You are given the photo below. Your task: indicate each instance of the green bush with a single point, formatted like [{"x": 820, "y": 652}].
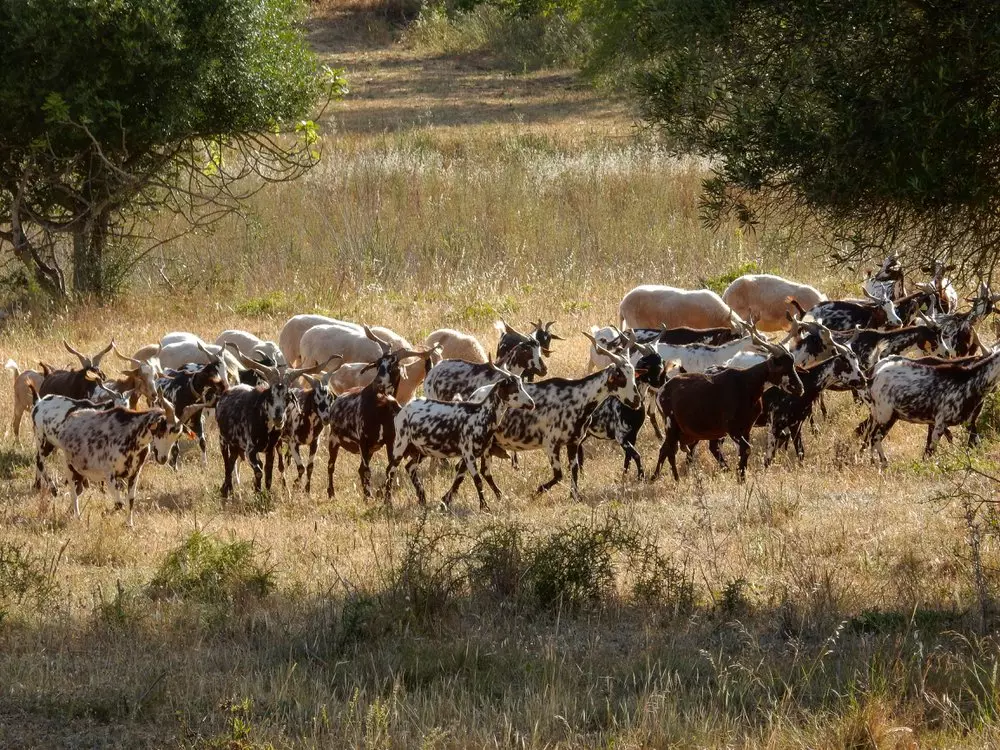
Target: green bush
[{"x": 210, "y": 571}]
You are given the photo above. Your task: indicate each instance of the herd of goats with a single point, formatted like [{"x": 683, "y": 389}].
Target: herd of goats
[{"x": 697, "y": 360}]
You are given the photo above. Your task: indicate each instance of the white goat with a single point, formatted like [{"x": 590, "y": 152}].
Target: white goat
[
  {"x": 456, "y": 345},
  {"x": 764, "y": 298},
  {"x": 651, "y": 306}
]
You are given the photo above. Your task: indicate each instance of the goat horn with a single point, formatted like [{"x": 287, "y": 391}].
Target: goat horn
[
  {"x": 268, "y": 372},
  {"x": 100, "y": 355},
  {"x": 616, "y": 358},
  {"x": 83, "y": 360},
  {"x": 381, "y": 342},
  {"x": 133, "y": 360},
  {"x": 293, "y": 372},
  {"x": 212, "y": 356}
]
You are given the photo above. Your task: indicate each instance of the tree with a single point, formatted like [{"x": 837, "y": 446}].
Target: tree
[
  {"x": 877, "y": 119},
  {"x": 112, "y": 111}
]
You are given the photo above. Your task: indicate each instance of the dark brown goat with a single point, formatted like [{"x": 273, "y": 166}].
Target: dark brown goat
[
  {"x": 82, "y": 383},
  {"x": 697, "y": 406}
]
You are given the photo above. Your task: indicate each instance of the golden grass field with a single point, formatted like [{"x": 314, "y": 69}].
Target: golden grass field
[{"x": 826, "y": 605}]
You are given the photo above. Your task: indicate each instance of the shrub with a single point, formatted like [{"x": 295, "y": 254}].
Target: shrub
[{"x": 207, "y": 570}]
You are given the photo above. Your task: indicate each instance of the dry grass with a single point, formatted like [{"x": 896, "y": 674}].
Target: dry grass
[{"x": 830, "y": 601}]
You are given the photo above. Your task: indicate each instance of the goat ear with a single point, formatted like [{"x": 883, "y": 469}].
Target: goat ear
[{"x": 92, "y": 376}]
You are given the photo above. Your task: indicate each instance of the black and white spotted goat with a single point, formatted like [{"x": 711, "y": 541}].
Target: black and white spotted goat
[
  {"x": 455, "y": 429},
  {"x": 251, "y": 420},
  {"x": 455, "y": 378},
  {"x": 939, "y": 395},
  {"x": 562, "y": 410},
  {"x": 194, "y": 384},
  {"x": 362, "y": 421},
  {"x": 784, "y": 413},
  {"x": 846, "y": 314},
  {"x": 613, "y": 420},
  {"x": 540, "y": 339},
  {"x": 304, "y": 423}
]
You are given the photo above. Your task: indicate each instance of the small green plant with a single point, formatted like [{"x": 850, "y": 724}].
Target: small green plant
[
  {"x": 719, "y": 283},
  {"x": 271, "y": 303},
  {"x": 210, "y": 571},
  {"x": 496, "y": 562}
]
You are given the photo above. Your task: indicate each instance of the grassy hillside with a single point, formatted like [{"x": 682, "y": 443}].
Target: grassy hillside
[{"x": 826, "y": 605}]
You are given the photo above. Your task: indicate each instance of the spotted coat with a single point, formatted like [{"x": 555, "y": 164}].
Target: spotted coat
[
  {"x": 453, "y": 378},
  {"x": 612, "y": 420},
  {"x": 846, "y": 315},
  {"x": 465, "y": 430},
  {"x": 250, "y": 422},
  {"x": 562, "y": 409},
  {"x": 112, "y": 446},
  {"x": 48, "y": 414},
  {"x": 936, "y": 395},
  {"x": 193, "y": 384},
  {"x": 303, "y": 426},
  {"x": 785, "y": 413}
]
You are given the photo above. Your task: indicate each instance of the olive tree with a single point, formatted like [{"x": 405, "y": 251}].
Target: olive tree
[
  {"x": 112, "y": 112},
  {"x": 877, "y": 120}
]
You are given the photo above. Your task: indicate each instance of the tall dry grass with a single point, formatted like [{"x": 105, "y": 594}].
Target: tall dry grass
[{"x": 825, "y": 605}]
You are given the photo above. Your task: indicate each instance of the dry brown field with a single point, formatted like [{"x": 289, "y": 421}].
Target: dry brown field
[{"x": 821, "y": 605}]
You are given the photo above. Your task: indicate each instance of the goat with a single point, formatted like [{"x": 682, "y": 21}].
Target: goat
[
  {"x": 652, "y": 306},
  {"x": 352, "y": 343},
  {"x": 253, "y": 347},
  {"x": 195, "y": 383},
  {"x": 47, "y": 417},
  {"x": 112, "y": 446},
  {"x": 23, "y": 382},
  {"x": 82, "y": 383},
  {"x": 251, "y": 420},
  {"x": 766, "y": 299},
  {"x": 453, "y": 378},
  {"x": 942, "y": 288},
  {"x": 174, "y": 355},
  {"x": 845, "y": 315},
  {"x": 540, "y": 339},
  {"x": 439, "y": 429},
  {"x": 139, "y": 381},
  {"x": 362, "y": 421},
  {"x": 958, "y": 329},
  {"x": 870, "y": 345},
  {"x": 610, "y": 337},
  {"x": 887, "y": 281},
  {"x": 613, "y": 420},
  {"x": 939, "y": 395},
  {"x": 700, "y": 406},
  {"x": 785, "y": 413},
  {"x": 454, "y": 344},
  {"x": 304, "y": 425},
  {"x": 562, "y": 410}
]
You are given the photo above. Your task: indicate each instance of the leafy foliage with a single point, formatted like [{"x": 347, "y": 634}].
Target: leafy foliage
[
  {"x": 874, "y": 118},
  {"x": 112, "y": 111},
  {"x": 210, "y": 571}
]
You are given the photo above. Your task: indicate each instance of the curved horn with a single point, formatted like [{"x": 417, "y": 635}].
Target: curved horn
[
  {"x": 293, "y": 372},
  {"x": 212, "y": 356},
  {"x": 381, "y": 342},
  {"x": 84, "y": 362},
  {"x": 269, "y": 373},
  {"x": 135, "y": 362},
  {"x": 100, "y": 355},
  {"x": 616, "y": 358}
]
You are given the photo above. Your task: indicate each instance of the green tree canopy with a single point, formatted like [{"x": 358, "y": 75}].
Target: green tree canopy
[
  {"x": 880, "y": 119},
  {"x": 112, "y": 110}
]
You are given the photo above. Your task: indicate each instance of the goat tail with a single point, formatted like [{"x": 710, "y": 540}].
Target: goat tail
[{"x": 12, "y": 366}]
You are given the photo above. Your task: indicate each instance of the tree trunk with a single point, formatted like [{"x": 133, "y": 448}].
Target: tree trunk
[{"x": 88, "y": 258}]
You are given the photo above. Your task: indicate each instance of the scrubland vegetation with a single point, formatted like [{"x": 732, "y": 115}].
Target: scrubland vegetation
[{"x": 826, "y": 605}]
